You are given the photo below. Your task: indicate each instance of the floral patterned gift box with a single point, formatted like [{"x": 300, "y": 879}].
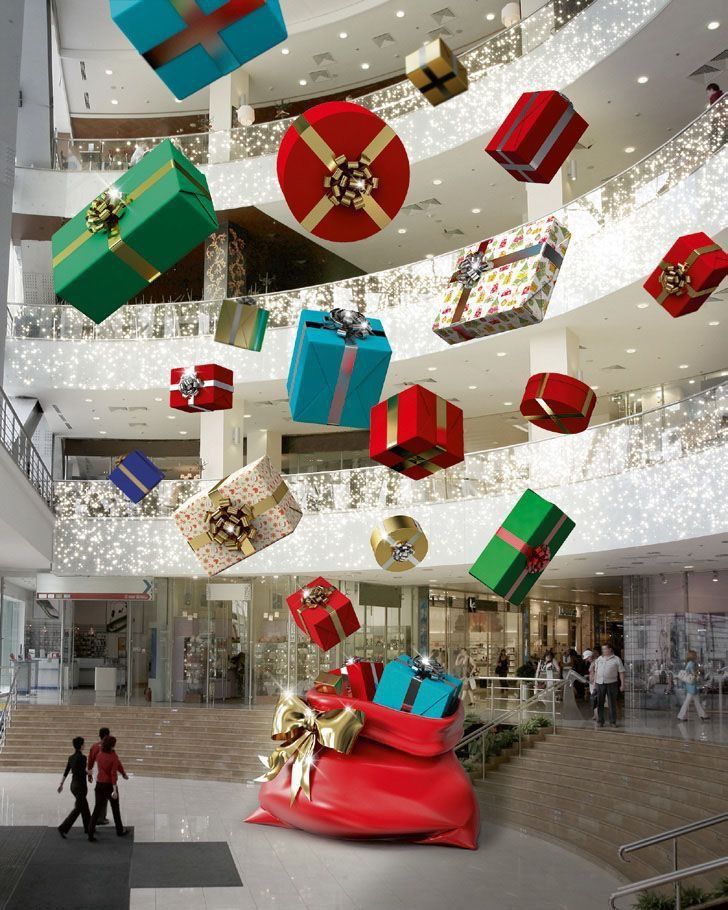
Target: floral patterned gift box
[
  {"x": 241, "y": 515},
  {"x": 504, "y": 283}
]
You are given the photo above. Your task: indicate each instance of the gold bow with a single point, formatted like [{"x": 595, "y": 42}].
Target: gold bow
[
  {"x": 300, "y": 729},
  {"x": 351, "y": 182},
  {"x": 106, "y": 211},
  {"x": 674, "y": 278},
  {"x": 231, "y": 526}
]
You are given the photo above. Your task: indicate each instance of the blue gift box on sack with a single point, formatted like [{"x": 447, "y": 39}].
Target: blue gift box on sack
[
  {"x": 339, "y": 364},
  {"x": 191, "y": 43},
  {"x": 136, "y": 475},
  {"x": 417, "y": 685}
]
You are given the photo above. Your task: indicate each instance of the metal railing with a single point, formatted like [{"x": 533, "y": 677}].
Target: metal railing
[
  {"x": 19, "y": 446},
  {"x": 11, "y": 701},
  {"x": 677, "y": 875},
  {"x": 610, "y": 202},
  {"x": 390, "y": 102}
]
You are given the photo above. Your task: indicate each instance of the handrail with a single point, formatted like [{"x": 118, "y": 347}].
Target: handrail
[
  {"x": 667, "y": 879},
  {"x": 20, "y": 447},
  {"x": 11, "y": 701},
  {"x": 673, "y": 833}
]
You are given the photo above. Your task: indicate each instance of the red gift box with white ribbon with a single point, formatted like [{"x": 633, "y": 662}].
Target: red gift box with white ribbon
[{"x": 208, "y": 387}]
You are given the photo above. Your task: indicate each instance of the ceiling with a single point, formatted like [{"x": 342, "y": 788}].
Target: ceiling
[{"x": 375, "y": 35}]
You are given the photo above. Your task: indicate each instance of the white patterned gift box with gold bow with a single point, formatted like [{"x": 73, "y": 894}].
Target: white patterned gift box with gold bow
[
  {"x": 504, "y": 283},
  {"x": 241, "y": 515}
]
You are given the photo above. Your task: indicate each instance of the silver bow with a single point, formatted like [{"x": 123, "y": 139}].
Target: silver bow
[
  {"x": 472, "y": 269},
  {"x": 350, "y": 323},
  {"x": 427, "y": 667},
  {"x": 189, "y": 385}
]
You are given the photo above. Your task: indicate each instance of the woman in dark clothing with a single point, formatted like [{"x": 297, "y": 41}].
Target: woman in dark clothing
[
  {"x": 501, "y": 668},
  {"x": 76, "y": 767},
  {"x": 109, "y": 768}
]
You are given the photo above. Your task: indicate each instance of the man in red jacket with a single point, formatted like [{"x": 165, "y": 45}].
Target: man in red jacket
[
  {"x": 92, "y": 755},
  {"x": 109, "y": 767}
]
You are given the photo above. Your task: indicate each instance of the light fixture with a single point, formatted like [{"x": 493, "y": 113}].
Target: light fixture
[
  {"x": 88, "y": 400},
  {"x": 171, "y": 416},
  {"x": 476, "y": 211},
  {"x": 642, "y": 306},
  {"x": 158, "y": 399},
  {"x": 472, "y": 387},
  {"x": 490, "y": 16},
  {"x": 343, "y": 34},
  {"x": 630, "y": 350},
  {"x": 95, "y": 418},
  {"x": 246, "y": 416},
  {"x": 663, "y": 579},
  {"x": 178, "y": 100},
  {"x": 643, "y": 79},
  {"x": 246, "y": 115},
  {"x": 712, "y": 26},
  {"x": 399, "y": 14},
  {"x": 365, "y": 66},
  {"x": 102, "y": 432},
  {"x": 715, "y": 576},
  {"x": 431, "y": 369},
  {"x": 688, "y": 567},
  {"x": 571, "y": 170},
  {"x": 500, "y": 354},
  {"x": 691, "y": 382},
  {"x": 114, "y": 101},
  {"x": 511, "y": 14},
  {"x": 183, "y": 432},
  {"x": 594, "y": 388},
  {"x": 508, "y": 404},
  {"x": 109, "y": 72},
  {"x": 302, "y": 82},
  {"x": 402, "y": 230},
  {"x": 285, "y": 51},
  {"x": 714, "y": 323},
  {"x": 430, "y": 256},
  {"x": 437, "y": 182},
  {"x": 629, "y": 149},
  {"x": 684, "y": 366},
  {"x": 599, "y": 573}
]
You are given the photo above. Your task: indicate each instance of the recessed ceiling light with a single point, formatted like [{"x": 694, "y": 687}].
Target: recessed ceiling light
[
  {"x": 629, "y": 149},
  {"x": 599, "y": 573},
  {"x": 594, "y": 388},
  {"x": 365, "y": 66},
  {"x": 88, "y": 400},
  {"x": 490, "y": 17},
  {"x": 691, "y": 382},
  {"x": 302, "y": 82},
  {"x": 643, "y": 79},
  {"x": 343, "y": 34},
  {"x": 247, "y": 415},
  {"x": 642, "y": 306},
  {"x": 103, "y": 432},
  {"x": 109, "y": 72},
  {"x": 501, "y": 354},
  {"x": 430, "y": 256},
  {"x": 183, "y": 432},
  {"x": 472, "y": 387},
  {"x": 508, "y": 404},
  {"x": 476, "y": 211},
  {"x": 712, "y": 26},
  {"x": 95, "y": 418},
  {"x": 399, "y": 14},
  {"x": 114, "y": 101},
  {"x": 431, "y": 369},
  {"x": 158, "y": 399},
  {"x": 684, "y": 366},
  {"x": 402, "y": 231},
  {"x": 688, "y": 567},
  {"x": 285, "y": 51},
  {"x": 171, "y": 416},
  {"x": 630, "y": 350},
  {"x": 437, "y": 182},
  {"x": 714, "y": 323}
]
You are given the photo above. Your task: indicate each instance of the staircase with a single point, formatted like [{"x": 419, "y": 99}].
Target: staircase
[
  {"x": 187, "y": 742},
  {"x": 596, "y": 790}
]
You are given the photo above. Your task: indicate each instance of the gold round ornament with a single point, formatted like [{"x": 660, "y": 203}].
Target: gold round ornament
[{"x": 399, "y": 543}]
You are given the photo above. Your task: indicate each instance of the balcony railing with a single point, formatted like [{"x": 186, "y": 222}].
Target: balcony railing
[
  {"x": 18, "y": 445},
  {"x": 391, "y": 102},
  {"x": 606, "y": 205},
  {"x": 689, "y": 427}
]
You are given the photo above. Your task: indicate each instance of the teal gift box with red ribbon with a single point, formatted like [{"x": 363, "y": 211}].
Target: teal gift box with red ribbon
[{"x": 523, "y": 546}]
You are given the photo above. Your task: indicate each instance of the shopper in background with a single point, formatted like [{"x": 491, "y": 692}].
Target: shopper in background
[
  {"x": 609, "y": 677},
  {"x": 590, "y": 656},
  {"x": 76, "y": 767},
  {"x": 501, "y": 668},
  {"x": 139, "y": 152},
  {"x": 548, "y": 669},
  {"x": 466, "y": 668},
  {"x": 92, "y": 755},
  {"x": 689, "y": 676},
  {"x": 109, "y": 768},
  {"x": 715, "y": 93}
]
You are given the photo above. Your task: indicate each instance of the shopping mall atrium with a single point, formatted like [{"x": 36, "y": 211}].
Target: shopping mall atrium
[{"x": 364, "y": 410}]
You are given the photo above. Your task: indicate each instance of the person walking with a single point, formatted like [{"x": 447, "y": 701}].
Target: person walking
[
  {"x": 715, "y": 93},
  {"x": 466, "y": 668},
  {"x": 76, "y": 767},
  {"x": 109, "y": 768},
  {"x": 548, "y": 669},
  {"x": 92, "y": 756},
  {"x": 501, "y": 669},
  {"x": 591, "y": 657},
  {"x": 609, "y": 678},
  {"x": 689, "y": 676}
]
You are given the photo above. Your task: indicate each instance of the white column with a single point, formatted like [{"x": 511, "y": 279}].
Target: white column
[
  {"x": 221, "y": 441},
  {"x": 36, "y": 262},
  {"x": 35, "y": 116},
  {"x": 554, "y": 351},
  {"x": 544, "y": 198},
  {"x": 265, "y": 442},
  {"x": 225, "y": 95},
  {"x": 11, "y": 32}
]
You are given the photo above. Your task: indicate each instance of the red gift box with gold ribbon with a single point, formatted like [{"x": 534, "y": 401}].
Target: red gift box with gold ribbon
[
  {"x": 324, "y": 613},
  {"x": 208, "y": 387},
  {"x": 416, "y": 433},
  {"x": 556, "y": 402},
  {"x": 343, "y": 171},
  {"x": 691, "y": 271}
]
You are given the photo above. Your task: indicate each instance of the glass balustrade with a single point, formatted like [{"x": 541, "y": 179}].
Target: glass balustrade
[
  {"x": 608, "y": 204},
  {"x": 18, "y": 445},
  {"x": 686, "y": 428}
]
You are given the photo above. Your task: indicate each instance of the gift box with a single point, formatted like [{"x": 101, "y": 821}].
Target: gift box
[
  {"x": 339, "y": 364},
  {"x": 343, "y": 171},
  {"x": 138, "y": 228},
  {"x": 364, "y": 676},
  {"x": 417, "y": 685},
  {"x": 241, "y": 515},
  {"x": 324, "y": 613},
  {"x": 522, "y": 547},
  {"x": 691, "y": 271},
  {"x": 504, "y": 283},
  {"x": 399, "y": 543},
  {"x": 331, "y": 682},
  {"x": 435, "y": 71},
  {"x": 135, "y": 475},
  {"x": 208, "y": 387},
  {"x": 241, "y": 324},
  {"x": 416, "y": 433},
  {"x": 537, "y": 136},
  {"x": 191, "y": 43},
  {"x": 556, "y": 402}
]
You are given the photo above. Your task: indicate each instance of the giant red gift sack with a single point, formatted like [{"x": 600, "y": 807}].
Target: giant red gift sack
[
  {"x": 401, "y": 780},
  {"x": 343, "y": 171}
]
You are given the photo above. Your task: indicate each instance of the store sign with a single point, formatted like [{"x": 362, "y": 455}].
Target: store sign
[{"x": 569, "y": 612}]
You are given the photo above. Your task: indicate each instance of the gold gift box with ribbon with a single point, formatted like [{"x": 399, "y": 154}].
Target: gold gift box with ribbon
[
  {"x": 241, "y": 515},
  {"x": 436, "y": 72},
  {"x": 399, "y": 543},
  {"x": 242, "y": 324}
]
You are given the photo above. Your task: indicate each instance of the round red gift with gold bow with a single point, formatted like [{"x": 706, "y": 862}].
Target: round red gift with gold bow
[
  {"x": 556, "y": 402},
  {"x": 343, "y": 171}
]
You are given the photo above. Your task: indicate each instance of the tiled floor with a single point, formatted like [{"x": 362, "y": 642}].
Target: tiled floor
[{"x": 291, "y": 870}]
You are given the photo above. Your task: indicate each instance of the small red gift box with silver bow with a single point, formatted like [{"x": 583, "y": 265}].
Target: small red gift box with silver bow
[
  {"x": 556, "y": 402},
  {"x": 201, "y": 388},
  {"x": 691, "y": 271},
  {"x": 324, "y": 613},
  {"x": 364, "y": 676}
]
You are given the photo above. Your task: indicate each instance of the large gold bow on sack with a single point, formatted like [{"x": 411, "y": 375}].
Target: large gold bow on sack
[{"x": 300, "y": 729}]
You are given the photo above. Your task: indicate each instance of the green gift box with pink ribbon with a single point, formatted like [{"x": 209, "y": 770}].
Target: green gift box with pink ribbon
[{"x": 523, "y": 546}]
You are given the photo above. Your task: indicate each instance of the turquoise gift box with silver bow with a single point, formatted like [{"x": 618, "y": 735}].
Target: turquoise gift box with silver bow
[
  {"x": 416, "y": 685},
  {"x": 339, "y": 364}
]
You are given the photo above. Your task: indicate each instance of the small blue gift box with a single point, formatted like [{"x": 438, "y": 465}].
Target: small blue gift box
[
  {"x": 191, "y": 43},
  {"x": 417, "y": 686},
  {"x": 136, "y": 476},
  {"x": 339, "y": 364}
]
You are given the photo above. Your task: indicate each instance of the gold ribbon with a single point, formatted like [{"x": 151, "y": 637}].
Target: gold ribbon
[
  {"x": 219, "y": 500},
  {"x": 315, "y": 603},
  {"x": 548, "y": 412},
  {"x": 135, "y": 480},
  {"x": 675, "y": 277},
  {"x": 300, "y": 729},
  {"x": 116, "y": 244},
  {"x": 423, "y": 459},
  {"x": 344, "y": 172}
]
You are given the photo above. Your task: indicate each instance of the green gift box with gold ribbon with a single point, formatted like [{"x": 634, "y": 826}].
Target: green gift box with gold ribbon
[
  {"x": 523, "y": 546},
  {"x": 137, "y": 229}
]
